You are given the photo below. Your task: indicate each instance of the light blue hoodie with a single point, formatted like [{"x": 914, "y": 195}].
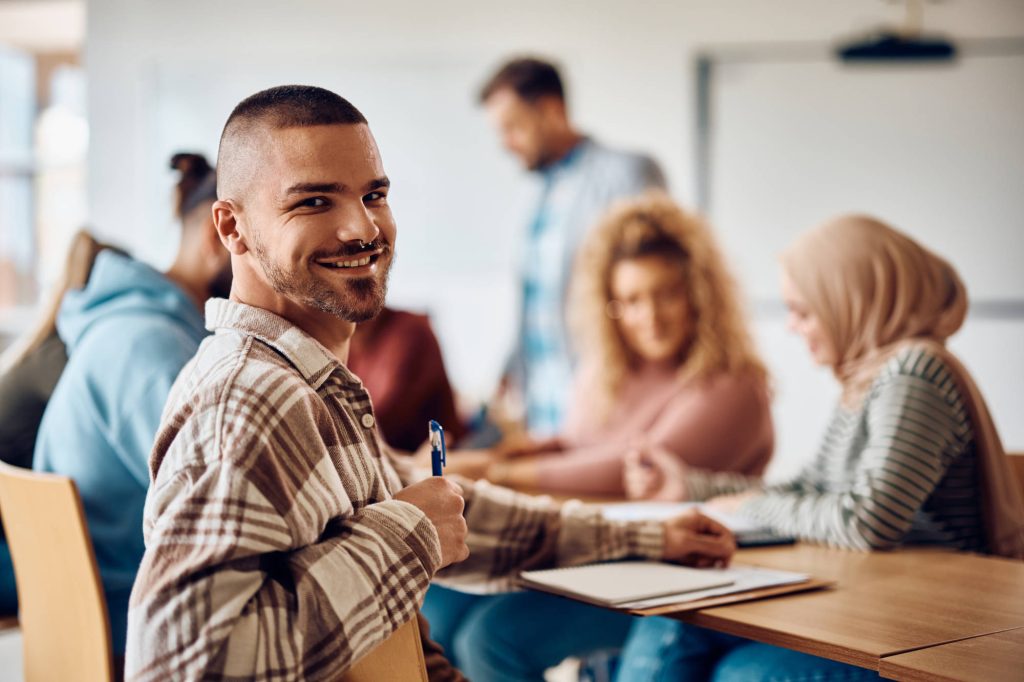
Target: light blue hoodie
[{"x": 128, "y": 334}]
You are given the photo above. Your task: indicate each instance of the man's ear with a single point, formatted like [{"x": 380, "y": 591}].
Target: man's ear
[{"x": 226, "y": 224}]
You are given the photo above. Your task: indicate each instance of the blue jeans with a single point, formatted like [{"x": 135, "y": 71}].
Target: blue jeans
[
  {"x": 663, "y": 650},
  {"x": 515, "y": 637}
]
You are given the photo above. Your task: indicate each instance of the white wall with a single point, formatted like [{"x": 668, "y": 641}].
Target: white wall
[{"x": 628, "y": 66}]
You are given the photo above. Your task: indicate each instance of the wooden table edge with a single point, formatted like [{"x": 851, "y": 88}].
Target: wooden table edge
[
  {"x": 834, "y": 652},
  {"x": 887, "y": 668}
]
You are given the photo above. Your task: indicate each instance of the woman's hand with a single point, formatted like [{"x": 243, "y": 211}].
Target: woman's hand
[
  {"x": 730, "y": 504},
  {"x": 651, "y": 472},
  {"x": 697, "y": 540}
]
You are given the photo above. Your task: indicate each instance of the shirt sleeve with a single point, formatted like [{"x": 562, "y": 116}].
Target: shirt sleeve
[
  {"x": 724, "y": 425},
  {"x": 636, "y": 174},
  {"x": 510, "y": 531},
  {"x": 235, "y": 586},
  {"x": 911, "y": 431}
]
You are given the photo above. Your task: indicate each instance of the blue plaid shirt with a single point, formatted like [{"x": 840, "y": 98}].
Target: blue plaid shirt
[
  {"x": 577, "y": 189},
  {"x": 547, "y": 361}
]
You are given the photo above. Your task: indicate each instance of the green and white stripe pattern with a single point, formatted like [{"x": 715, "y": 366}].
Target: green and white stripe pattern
[{"x": 899, "y": 470}]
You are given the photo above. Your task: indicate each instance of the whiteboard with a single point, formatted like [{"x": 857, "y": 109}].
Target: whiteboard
[{"x": 936, "y": 150}]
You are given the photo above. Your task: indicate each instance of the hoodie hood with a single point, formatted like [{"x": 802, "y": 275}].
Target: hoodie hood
[{"x": 120, "y": 286}]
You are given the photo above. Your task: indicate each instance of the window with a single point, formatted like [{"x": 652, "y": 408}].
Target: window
[{"x": 43, "y": 144}]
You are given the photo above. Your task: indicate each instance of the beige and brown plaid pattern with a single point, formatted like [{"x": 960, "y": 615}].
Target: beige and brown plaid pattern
[{"x": 273, "y": 548}]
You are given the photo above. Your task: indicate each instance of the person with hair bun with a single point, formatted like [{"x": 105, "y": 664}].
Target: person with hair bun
[
  {"x": 910, "y": 456},
  {"x": 128, "y": 333}
]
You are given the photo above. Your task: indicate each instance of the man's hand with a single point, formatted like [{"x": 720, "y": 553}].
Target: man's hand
[
  {"x": 654, "y": 473},
  {"x": 441, "y": 500},
  {"x": 694, "y": 539}
]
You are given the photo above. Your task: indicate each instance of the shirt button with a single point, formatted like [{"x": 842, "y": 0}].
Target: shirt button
[{"x": 368, "y": 420}]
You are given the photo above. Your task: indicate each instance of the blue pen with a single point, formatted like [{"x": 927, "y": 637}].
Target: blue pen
[{"x": 438, "y": 453}]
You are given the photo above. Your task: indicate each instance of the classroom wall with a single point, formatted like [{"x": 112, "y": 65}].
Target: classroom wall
[{"x": 631, "y": 84}]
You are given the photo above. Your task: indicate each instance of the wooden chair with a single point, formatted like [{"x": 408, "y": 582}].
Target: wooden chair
[
  {"x": 63, "y": 615},
  {"x": 398, "y": 658}
]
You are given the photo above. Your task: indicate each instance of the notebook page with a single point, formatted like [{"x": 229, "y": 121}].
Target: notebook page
[{"x": 625, "y": 581}]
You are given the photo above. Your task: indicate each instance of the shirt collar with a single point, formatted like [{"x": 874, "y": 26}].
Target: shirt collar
[
  {"x": 314, "y": 362},
  {"x": 555, "y": 167}
]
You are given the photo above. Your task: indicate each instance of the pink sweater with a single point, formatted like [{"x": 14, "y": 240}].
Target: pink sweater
[{"x": 722, "y": 424}]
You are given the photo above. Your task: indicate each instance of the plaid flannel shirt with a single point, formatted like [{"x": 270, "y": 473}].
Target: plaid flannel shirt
[{"x": 274, "y": 549}]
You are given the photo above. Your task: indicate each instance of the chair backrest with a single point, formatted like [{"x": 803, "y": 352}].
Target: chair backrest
[
  {"x": 63, "y": 615},
  {"x": 1017, "y": 466},
  {"x": 399, "y": 658}
]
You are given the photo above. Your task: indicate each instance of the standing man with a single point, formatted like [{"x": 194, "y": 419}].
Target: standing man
[
  {"x": 525, "y": 101},
  {"x": 280, "y": 541}
]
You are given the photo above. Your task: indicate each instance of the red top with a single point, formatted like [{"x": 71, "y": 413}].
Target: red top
[{"x": 397, "y": 357}]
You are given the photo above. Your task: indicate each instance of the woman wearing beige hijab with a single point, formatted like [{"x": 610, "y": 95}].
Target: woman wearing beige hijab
[{"x": 911, "y": 455}]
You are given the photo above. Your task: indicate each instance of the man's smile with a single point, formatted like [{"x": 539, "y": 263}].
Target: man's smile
[{"x": 349, "y": 262}]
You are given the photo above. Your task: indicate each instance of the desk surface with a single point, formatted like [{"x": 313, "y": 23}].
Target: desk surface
[
  {"x": 980, "y": 659},
  {"x": 885, "y": 603}
]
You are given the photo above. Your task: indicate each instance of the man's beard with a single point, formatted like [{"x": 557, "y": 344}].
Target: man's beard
[{"x": 360, "y": 300}]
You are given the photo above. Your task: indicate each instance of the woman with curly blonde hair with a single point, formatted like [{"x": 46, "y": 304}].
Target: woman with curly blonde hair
[{"x": 666, "y": 360}]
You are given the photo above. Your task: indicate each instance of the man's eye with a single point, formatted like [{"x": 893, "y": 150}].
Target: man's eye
[
  {"x": 313, "y": 202},
  {"x": 375, "y": 196}
]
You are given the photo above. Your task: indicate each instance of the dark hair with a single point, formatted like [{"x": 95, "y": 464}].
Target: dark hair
[
  {"x": 529, "y": 78},
  {"x": 197, "y": 184},
  {"x": 291, "y": 106},
  {"x": 286, "y": 106}
]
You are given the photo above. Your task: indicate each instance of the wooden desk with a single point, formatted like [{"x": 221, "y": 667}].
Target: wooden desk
[
  {"x": 885, "y": 603},
  {"x": 980, "y": 659}
]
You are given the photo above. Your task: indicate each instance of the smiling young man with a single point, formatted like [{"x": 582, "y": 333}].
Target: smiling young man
[{"x": 280, "y": 541}]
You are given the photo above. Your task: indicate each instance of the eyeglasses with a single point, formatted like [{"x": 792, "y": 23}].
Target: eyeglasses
[{"x": 633, "y": 306}]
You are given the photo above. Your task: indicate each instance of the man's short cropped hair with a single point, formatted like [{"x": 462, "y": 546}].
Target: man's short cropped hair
[
  {"x": 529, "y": 78},
  {"x": 293, "y": 106},
  {"x": 286, "y": 106}
]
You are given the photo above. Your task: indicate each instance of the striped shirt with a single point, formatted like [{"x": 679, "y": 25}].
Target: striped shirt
[
  {"x": 274, "y": 549},
  {"x": 901, "y": 469}
]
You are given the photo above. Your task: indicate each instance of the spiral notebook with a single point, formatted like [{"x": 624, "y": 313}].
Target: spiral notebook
[{"x": 623, "y": 582}]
